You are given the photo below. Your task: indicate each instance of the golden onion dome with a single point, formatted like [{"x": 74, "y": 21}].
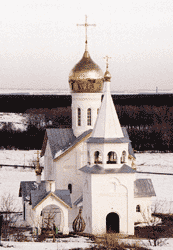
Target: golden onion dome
[
  {"x": 107, "y": 76},
  {"x": 86, "y": 76}
]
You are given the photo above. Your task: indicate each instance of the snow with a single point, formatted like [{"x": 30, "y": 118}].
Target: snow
[
  {"x": 11, "y": 177},
  {"x": 19, "y": 121},
  {"x": 158, "y": 163}
]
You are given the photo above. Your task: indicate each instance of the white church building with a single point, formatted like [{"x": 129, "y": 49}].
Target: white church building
[{"x": 90, "y": 166}]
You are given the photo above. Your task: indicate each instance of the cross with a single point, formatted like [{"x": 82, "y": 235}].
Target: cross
[
  {"x": 86, "y": 25},
  {"x": 107, "y": 63}
]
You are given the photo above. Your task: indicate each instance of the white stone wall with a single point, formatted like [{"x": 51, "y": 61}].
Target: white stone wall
[
  {"x": 106, "y": 194},
  {"x": 66, "y": 171},
  {"x": 84, "y": 101},
  {"x": 145, "y": 207}
]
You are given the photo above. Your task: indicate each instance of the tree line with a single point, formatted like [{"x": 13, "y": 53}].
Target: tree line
[{"x": 150, "y": 127}]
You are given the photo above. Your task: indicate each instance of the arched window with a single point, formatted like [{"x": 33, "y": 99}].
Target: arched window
[
  {"x": 70, "y": 188},
  {"x": 138, "y": 209},
  {"x": 123, "y": 157},
  {"x": 112, "y": 158},
  {"x": 97, "y": 157},
  {"x": 89, "y": 117},
  {"x": 79, "y": 116}
]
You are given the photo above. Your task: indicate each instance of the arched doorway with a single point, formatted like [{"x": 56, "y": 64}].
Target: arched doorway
[
  {"x": 112, "y": 223},
  {"x": 51, "y": 215}
]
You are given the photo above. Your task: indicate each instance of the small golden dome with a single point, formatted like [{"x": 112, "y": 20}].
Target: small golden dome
[
  {"x": 107, "y": 76},
  {"x": 86, "y": 76}
]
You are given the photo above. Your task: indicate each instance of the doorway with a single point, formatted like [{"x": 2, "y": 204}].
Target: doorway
[{"x": 112, "y": 223}]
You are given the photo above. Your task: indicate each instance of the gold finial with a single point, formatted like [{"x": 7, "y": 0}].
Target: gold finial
[
  {"x": 107, "y": 61},
  {"x": 86, "y": 25},
  {"x": 107, "y": 75}
]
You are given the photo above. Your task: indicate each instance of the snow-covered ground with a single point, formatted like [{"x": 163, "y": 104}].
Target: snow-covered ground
[
  {"x": 19, "y": 121},
  {"x": 163, "y": 184}
]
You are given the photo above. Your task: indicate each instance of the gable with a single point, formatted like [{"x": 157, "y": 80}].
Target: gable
[
  {"x": 36, "y": 193},
  {"x": 64, "y": 201},
  {"x": 59, "y": 139}
]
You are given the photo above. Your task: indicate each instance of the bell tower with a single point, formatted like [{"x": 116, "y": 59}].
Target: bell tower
[{"x": 86, "y": 84}]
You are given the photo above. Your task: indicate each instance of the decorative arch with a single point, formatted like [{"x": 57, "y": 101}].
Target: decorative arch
[
  {"x": 52, "y": 216},
  {"x": 97, "y": 157},
  {"x": 79, "y": 117},
  {"x": 112, "y": 158},
  {"x": 123, "y": 157},
  {"x": 89, "y": 117}
]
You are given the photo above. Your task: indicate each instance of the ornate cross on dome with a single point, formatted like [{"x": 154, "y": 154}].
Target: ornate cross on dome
[
  {"x": 86, "y": 26},
  {"x": 107, "y": 61}
]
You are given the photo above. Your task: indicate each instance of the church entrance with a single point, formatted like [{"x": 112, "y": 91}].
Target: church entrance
[
  {"x": 51, "y": 218},
  {"x": 112, "y": 223}
]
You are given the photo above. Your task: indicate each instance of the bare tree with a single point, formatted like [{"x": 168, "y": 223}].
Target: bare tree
[
  {"x": 10, "y": 214},
  {"x": 154, "y": 229}
]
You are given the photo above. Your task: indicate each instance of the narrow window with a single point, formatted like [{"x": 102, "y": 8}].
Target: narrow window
[
  {"x": 97, "y": 111},
  {"x": 97, "y": 157},
  {"x": 138, "y": 209},
  {"x": 112, "y": 158},
  {"x": 123, "y": 158},
  {"x": 89, "y": 117},
  {"x": 24, "y": 213},
  {"x": 88, "y": 157},
  {"x": 79, "y": 117},
  {"x": 70, "y": 188}
]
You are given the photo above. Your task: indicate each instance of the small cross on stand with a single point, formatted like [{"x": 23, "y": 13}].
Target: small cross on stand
[
  {"x": 38, "y": 169},
  {"x": 107, "y": 61},
  {"x": 86, "y": 26}
]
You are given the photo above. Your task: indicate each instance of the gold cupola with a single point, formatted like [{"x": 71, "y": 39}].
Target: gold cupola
[{"x": 86, "y": 76}]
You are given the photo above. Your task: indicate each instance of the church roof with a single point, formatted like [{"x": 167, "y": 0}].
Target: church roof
[
  {"x": 107, "y": 123},
  {"x": 144, "y": 188},
  {"x": 61, "y": 140},
  {"x": 35, "y": 193},
  {"x": 97, "y": 169}
]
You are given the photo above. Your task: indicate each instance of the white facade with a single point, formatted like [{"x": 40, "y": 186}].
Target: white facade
[
  {"x": 84, "y": 101},
  {"x": 104, "y": 194}
]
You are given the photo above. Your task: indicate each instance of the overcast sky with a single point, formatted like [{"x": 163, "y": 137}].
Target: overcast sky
[{"x": 40, "y": 42}]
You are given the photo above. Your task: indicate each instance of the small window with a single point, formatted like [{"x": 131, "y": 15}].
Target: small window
[
  {"x": 138, "y": 209},
  {"x": 112, "y": 158},
  {"x": 88, "y": 157},
  {"x": 70, "y": 188},
  {"x": 89, "y": 117},
  {"x": 123, "y": 158},
  {"x": 97, "y": 111},
  {"x": 79, "y": 117},
  {"x": 97, "y": 157}
]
